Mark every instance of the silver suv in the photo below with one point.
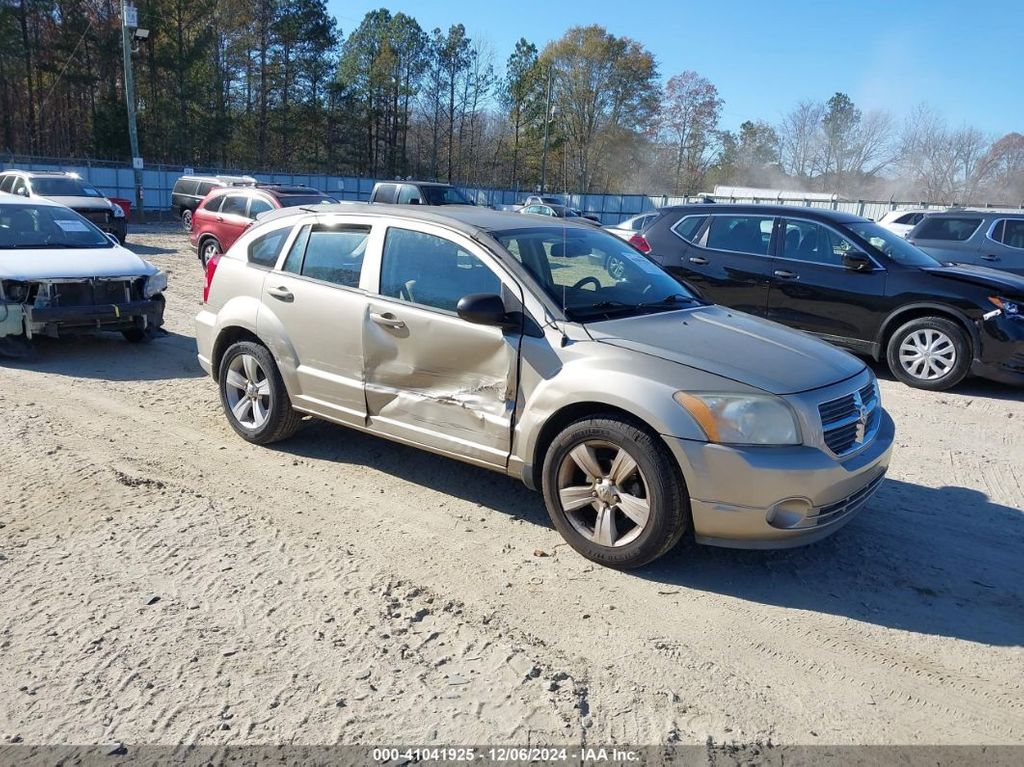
(504, 341)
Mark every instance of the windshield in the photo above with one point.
(47, 226)
(892, 244)
(592, 274)
(444, 195)
(63, 187)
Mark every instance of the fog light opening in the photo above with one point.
(789, 513)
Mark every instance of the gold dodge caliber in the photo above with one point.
(555, 353)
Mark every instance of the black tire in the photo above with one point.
(282, 420)
(186, 220)
(137, 335)
(658, 476)
(954, 370)
(208, 247)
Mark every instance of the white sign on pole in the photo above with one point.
(131, 16)
(137, 163)
(188, 171)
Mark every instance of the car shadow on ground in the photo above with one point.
(971, 387)
(109, 356)
(944, 561)
(149, 250)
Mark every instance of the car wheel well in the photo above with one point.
(227, 338)
(896, 321)
(567, 415)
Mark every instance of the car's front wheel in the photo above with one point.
(613, 492)
(254, 396)
(930, 353)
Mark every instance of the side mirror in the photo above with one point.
(857, 262)
(483, 309)
(112, 238)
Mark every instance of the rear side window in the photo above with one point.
(263, 251)
(335, 254)
(1012, 233)
(385, 193)
(407, 194)
(234, 204)
(687, 227)
(184, 186)
(203, 188)
(947, 228)
(214, 203)
(740, 234)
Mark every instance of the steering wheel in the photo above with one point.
(579, 285)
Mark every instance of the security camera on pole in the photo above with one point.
(129, 31)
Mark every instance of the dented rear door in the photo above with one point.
(430, 377)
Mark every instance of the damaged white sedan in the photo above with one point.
(60, 275)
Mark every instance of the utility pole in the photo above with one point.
(130, 23)
(547, 123)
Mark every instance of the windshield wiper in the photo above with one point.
(601, 308)
(668, 301)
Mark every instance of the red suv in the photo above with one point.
(225, 213)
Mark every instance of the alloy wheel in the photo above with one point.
(603, 493)
(186, 220)
(248, 391)
(927, 354)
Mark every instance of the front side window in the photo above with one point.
(407, 194)
(891, 244)
(234, 204)
(687, 227)
(814, 243)
(425, 269)
(740, 234)
(947, 228)
(263, 251)
(259, 205)
(593, 275)
(444, 195)
(333, 254)
(47, 226)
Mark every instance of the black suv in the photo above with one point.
(417, 193)
(189, 191)
(851, 282)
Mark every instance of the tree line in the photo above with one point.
(274, 85)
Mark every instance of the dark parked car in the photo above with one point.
(417, 193)
(986, 238)
(189, 191)
(558, 211)
(851, 282)
(71, 190)
(227, 212)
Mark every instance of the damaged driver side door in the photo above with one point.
(432, 378)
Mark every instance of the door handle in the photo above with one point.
(282, 294)
(220, 218)
(989, 258)
(784, 274)
(388, 320)
(699, 260)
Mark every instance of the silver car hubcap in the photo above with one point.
(928, 354)
(186, 220)
(603, 493)
(248, 391)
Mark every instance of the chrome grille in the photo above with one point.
(850, 422)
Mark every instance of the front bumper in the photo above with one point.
(1001, 354)
(134, 314)
(767, 498)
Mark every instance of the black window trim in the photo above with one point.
(850, 237)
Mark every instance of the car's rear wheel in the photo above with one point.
(208, 249)
(613, 492)
(137, 335)
(254, 396)
(186, 220)
(930, 353)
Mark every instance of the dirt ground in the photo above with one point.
(162, 581)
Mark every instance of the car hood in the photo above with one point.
(72, 263)
(735, 345)
(997, 279)
(83, 203)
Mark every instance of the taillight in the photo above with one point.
(211, 269)
(640, 242)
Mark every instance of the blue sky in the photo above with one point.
(965, 59)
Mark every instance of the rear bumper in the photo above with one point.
(766, 498)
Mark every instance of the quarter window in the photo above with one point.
(264, 250)
(334, 254)
(425, 269)
(813, 243)
(947, 228)
(213, 204)
(688, 227)
(740, 234)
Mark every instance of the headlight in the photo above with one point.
(117, 210)
(1008, 307)
(742, 419)
(155, 283)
